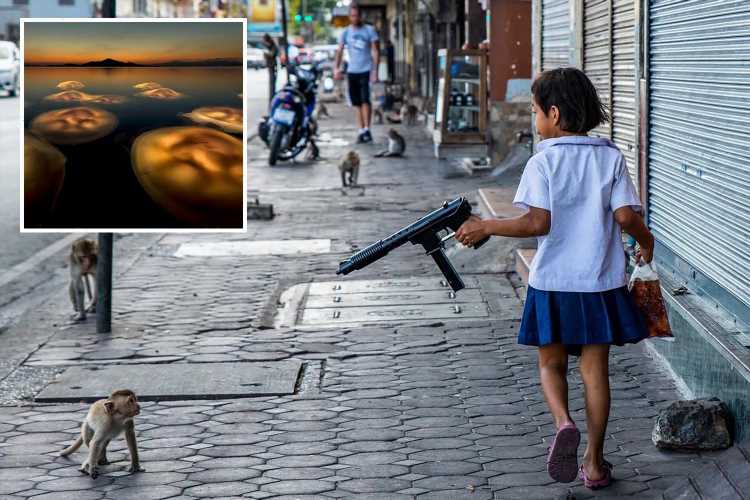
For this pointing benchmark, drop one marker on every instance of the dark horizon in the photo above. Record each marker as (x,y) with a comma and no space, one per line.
(114,63)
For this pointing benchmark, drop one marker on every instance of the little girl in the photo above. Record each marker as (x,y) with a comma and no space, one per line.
(578,196)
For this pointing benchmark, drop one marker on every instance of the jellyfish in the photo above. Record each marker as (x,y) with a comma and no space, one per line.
(74,125)
(70,85)
(43,174)
(147,86)
(106,99)
(69,95)
(224,117)
(161,93)
(194,173)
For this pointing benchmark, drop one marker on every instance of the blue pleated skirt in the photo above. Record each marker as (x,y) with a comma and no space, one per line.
(575,319)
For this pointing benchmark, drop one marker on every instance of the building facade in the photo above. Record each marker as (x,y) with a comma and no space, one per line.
(674,76)
(11,11)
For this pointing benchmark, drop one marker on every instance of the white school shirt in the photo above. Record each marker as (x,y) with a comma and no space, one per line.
(581,181)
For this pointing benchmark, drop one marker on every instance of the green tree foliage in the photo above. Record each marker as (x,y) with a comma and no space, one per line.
(314,11)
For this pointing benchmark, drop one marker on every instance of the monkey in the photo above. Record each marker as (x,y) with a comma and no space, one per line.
(350,165)
(378,113)
(320,111)
(313,152)
(396,145)
(106,419)
(83,260)
(409,114)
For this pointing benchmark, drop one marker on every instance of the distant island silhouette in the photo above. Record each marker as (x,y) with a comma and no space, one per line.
(113,63)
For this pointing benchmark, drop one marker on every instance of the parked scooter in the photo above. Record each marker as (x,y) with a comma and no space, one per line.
(290,126)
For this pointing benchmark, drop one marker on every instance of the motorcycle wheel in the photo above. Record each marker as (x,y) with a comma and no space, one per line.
(276,136)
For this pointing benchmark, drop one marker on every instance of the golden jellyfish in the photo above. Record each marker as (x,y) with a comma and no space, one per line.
(74,125)
(147,86)
(69,95)
(194,173)
(70,85)
(224,117)
(106,99)
(43,174)
(161,93)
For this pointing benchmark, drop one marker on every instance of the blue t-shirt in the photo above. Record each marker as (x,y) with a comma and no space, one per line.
(358,41)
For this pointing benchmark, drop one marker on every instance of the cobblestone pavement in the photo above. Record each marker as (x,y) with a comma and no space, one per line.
(429,410)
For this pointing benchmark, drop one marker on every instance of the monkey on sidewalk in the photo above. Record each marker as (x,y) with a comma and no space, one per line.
(396,145)
(349,165)
(106,419)
(83,258)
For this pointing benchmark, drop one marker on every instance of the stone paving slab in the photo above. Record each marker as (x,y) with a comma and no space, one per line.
(176,381)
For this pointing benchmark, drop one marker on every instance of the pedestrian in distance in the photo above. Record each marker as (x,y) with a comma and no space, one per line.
(578,196)
(363,47)
(271,53)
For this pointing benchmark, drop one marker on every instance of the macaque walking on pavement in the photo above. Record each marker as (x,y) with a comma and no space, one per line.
(106,419)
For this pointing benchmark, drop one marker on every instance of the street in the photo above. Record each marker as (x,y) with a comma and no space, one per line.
(256,93)
(263,374)
(16,247)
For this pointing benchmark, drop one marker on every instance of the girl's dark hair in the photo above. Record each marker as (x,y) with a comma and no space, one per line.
(574,95)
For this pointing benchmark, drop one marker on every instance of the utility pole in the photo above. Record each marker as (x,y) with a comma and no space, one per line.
(286,36)
(104,263)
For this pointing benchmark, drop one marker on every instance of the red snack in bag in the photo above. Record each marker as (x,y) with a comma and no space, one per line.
(645,290)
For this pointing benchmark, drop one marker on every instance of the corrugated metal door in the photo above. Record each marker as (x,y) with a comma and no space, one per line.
(699,136)
(597,44)
(555,35)
(623,81)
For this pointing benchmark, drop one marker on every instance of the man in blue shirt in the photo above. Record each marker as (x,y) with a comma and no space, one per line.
(363,46)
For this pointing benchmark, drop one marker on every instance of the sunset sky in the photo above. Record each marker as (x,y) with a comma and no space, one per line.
(138,42)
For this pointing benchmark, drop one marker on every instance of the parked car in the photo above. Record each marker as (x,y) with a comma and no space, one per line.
(10,72)
(255,58)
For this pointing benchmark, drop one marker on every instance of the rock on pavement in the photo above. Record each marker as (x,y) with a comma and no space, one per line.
(700,424)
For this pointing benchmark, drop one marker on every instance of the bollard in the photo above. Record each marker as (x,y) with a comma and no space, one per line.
(104,284)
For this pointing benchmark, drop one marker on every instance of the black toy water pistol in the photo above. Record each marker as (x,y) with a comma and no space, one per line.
(424,231)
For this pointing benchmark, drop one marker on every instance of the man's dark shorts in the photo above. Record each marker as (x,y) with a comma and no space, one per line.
(359,88)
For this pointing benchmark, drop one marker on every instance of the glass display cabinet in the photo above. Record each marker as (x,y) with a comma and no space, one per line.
(461,98)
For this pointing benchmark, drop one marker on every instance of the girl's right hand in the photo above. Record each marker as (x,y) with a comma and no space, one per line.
(645,253)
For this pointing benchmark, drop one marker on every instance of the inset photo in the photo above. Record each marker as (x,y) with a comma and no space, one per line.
(133,125)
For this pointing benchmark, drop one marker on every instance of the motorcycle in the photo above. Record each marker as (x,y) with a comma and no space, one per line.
(290,126)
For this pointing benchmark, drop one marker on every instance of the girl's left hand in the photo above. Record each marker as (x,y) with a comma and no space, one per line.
(471,231)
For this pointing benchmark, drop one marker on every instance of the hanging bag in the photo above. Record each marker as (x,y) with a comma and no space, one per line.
(645,289)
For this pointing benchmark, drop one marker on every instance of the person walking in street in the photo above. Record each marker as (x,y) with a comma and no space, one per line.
(578,196)
(271,53)
(363,46)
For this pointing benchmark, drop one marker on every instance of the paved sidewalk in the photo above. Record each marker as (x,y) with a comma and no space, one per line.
(432,409)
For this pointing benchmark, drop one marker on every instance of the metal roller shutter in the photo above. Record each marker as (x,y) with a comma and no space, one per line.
(623,82)
(596,53)
(555,36)
(699,136)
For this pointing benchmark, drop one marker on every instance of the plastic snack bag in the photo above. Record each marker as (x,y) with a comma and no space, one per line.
(645,289)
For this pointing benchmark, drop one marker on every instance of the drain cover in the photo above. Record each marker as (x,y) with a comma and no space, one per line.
(245,248)
(365,315)
(161,382)
(339,303)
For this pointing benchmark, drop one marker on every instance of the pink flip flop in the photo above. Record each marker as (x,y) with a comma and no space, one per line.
(562,460)
(595,484)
